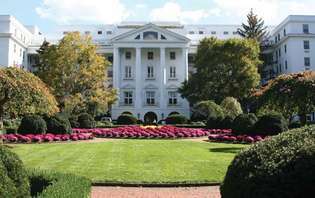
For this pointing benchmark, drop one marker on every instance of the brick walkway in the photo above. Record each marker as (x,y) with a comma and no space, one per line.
(138,192)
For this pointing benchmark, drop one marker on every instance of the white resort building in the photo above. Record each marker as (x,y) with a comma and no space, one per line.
(151,60)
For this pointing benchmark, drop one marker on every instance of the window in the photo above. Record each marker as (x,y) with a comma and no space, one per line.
(128,98)
(150,71)
(172,55)
(225,33)
(150,97)
(110,59)
(235,33)
(99,32)
(285,48)
(286,65)
(191,59)
(280,68)
(191,32)
(128,72)
(279,37)
(305,28)
(128,55)
(201,32)
(172,98)
(150,35)
(172,72)
(213,32)
(109,74)
(306,45)
(279,52)
(109,32)
(307,63)
(150,56)
(276,39)
(284,32)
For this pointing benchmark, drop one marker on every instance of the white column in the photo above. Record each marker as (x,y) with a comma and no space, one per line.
(138,94)
(163,96)
(116,72)
(185,62)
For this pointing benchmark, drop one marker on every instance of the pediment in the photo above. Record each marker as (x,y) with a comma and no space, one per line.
(128,86)
(150,33)
(150,86)
(172,86)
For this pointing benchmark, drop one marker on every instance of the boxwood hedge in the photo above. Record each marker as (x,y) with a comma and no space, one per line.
(280,167)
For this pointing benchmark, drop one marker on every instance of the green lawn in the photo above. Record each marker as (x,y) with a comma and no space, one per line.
(134,161)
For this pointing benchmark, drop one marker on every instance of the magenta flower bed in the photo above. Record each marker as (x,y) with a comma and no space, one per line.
(235,138)
(29,138)
(164,132)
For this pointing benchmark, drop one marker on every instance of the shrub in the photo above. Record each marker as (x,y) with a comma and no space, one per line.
(271,124)
(14,181)
(53,185)
(176,119)
(73,119)
(244,123)
(231,107)
(227,123)
(280,167)
(86,121)
(295,124)
(58,125)
(214,122)
(10,130)
(126,119)
(33,124)
(206,109)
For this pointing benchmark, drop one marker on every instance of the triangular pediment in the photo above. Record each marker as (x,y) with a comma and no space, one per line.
(150,86)
(150,33)
(128,86)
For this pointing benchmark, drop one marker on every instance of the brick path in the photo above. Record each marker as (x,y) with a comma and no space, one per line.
(139,192)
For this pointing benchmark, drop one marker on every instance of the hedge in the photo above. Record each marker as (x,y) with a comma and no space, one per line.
(126,119)
(244,124)
(58,124)
(33,124)
(176,119)
(271,124)
(86,121)
(280,167)
(46,184)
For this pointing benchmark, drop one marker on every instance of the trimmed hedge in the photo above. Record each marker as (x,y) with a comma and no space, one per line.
(33,124)
(126,119)
(55,185)
(244,124)
(280,167)
(86,121)
(176,119)
(14,181)
(271,124)
(58,125)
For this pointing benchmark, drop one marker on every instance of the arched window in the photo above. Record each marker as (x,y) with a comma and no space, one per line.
(149,35)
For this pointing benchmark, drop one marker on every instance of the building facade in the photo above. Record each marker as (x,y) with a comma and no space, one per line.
(151,60)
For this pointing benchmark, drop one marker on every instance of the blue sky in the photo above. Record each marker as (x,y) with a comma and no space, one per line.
(48,13)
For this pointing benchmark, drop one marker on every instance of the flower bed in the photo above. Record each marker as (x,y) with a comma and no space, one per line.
(235,138)
(164,132)
(29,138)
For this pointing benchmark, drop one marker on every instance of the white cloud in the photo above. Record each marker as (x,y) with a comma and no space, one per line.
(141,6)
(273,11)
(68,11)
(172,11)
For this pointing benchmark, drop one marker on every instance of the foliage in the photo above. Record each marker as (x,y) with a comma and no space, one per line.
(224,68)
(73,119)
(271,124)
(21,92)
(214,122)
(126,119)
(231,107)
(76,73)
(281,167)
(254,29)
(205,109)
(53,185)
(14,181)
(244,123)
(86,121)
(33,124)
(176,119)
(58,124)
(289,94)
(294,125)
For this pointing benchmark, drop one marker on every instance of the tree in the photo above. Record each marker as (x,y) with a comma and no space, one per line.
(223,68)
(76,73)
(289,94)
(21,92)
(205,109)
(254,29)
(231,107)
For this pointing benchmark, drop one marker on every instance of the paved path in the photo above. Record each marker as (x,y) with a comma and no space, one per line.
(139,192)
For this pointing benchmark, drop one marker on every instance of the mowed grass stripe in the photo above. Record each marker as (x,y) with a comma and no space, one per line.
(134,161)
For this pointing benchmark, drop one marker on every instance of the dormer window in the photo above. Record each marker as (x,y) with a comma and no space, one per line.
(150,35)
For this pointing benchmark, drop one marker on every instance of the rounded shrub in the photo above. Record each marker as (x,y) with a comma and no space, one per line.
(271,124)
(73,119)
(58,125)
(214,122)
(244,123)
(231,107)
(202,111)
(295,124)
(280,167)
(14,180)
(227,123)
(86,121)
(33,124)
(176,119)
(126,119)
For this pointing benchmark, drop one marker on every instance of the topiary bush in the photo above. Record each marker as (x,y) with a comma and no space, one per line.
(202,111)
(86,121)
(231,107)
(176,119)
(14,181)
(126,119)
(33,124)
(271,124)
(58,124)
(244,123)
(280,167)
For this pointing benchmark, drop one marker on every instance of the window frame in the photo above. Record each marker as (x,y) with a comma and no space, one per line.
(150,55)
(150,98)
(172,98)
(172,72)
(306,28)
(128,55)
(306,44)
(173,55)
(307,62)
(128,72)
(150,72)
(128,97)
